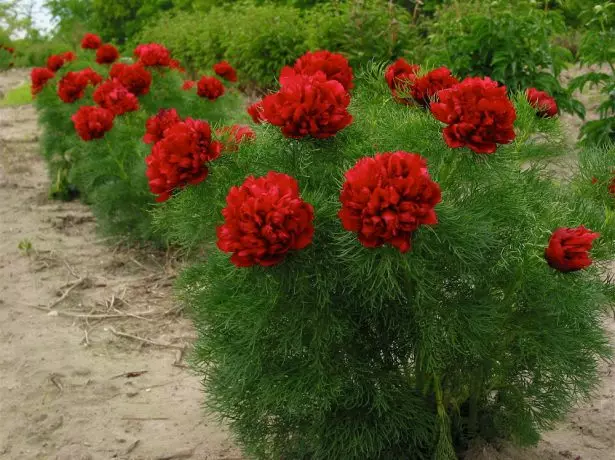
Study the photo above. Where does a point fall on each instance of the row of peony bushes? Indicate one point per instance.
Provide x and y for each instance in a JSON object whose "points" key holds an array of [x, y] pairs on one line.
{"points": [[396, 275], [94, 108]]}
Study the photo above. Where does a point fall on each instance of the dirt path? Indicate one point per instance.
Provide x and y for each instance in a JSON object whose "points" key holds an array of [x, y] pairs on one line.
{"points": [[63, 394], [66, 388]]}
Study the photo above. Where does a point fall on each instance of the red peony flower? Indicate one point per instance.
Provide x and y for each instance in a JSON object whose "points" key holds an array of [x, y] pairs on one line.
{"points": [[39, 77], [156, 125], [188, 84], [9, 49], [91, 42], [308, 105], [114, 96], [232, 136], [333, 65], [264, 219], [181, 157], [92, 122], [107, 54], [175, 64], [568, 249], [210, 88], [153, 54], [544, 104], [68, 56], [478, 113], [135, 77], [611, 186], [399, 76], [424, 89], [225, 70], [385, 199], [117, 69], [55, 62], [72, 86], [256, 112], [93, 78]]}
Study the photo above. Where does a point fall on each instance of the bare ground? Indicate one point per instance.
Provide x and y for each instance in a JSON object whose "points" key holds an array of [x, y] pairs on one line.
{"points": [[73, 386]]}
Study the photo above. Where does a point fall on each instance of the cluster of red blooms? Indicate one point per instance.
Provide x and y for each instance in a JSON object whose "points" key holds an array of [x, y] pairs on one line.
{"points": [[135, 77], [210, 88], [114, 96], [92, 122], [72, 85], [39, 78], [107, 54], [56, 61], [333, 65], [308, 105], [188, 85], [181, 152], [41, 75], [153, 54], [264, 218], [91, 42], [117, 95], [544, 104], [399, 76], [313, 98], [478, 113], [408, 87], [386, 198], [569, 248], [156, 126], [477, 110], [224, 70]]}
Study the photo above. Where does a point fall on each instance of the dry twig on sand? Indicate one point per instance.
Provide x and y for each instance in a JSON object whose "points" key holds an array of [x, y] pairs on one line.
{"points": [[143, 340]]}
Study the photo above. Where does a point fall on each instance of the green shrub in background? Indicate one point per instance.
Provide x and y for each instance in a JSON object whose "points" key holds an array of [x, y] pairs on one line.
{"points": [[509, 41], [6, 58], [259, 39], [575, 11], [364, 31], [348, 352], [262, 39], [598, 50], [34, 53]]}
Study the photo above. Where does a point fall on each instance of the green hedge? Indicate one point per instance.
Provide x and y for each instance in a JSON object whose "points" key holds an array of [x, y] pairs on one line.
{"points": [[511, 41], [259, 39]]}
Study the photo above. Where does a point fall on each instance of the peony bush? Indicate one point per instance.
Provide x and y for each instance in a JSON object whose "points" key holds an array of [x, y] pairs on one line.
{"points": [[390, 276], [94, 108]]}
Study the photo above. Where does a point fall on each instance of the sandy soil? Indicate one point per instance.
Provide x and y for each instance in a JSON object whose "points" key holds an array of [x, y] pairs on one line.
{"points": [[73, 388]]}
